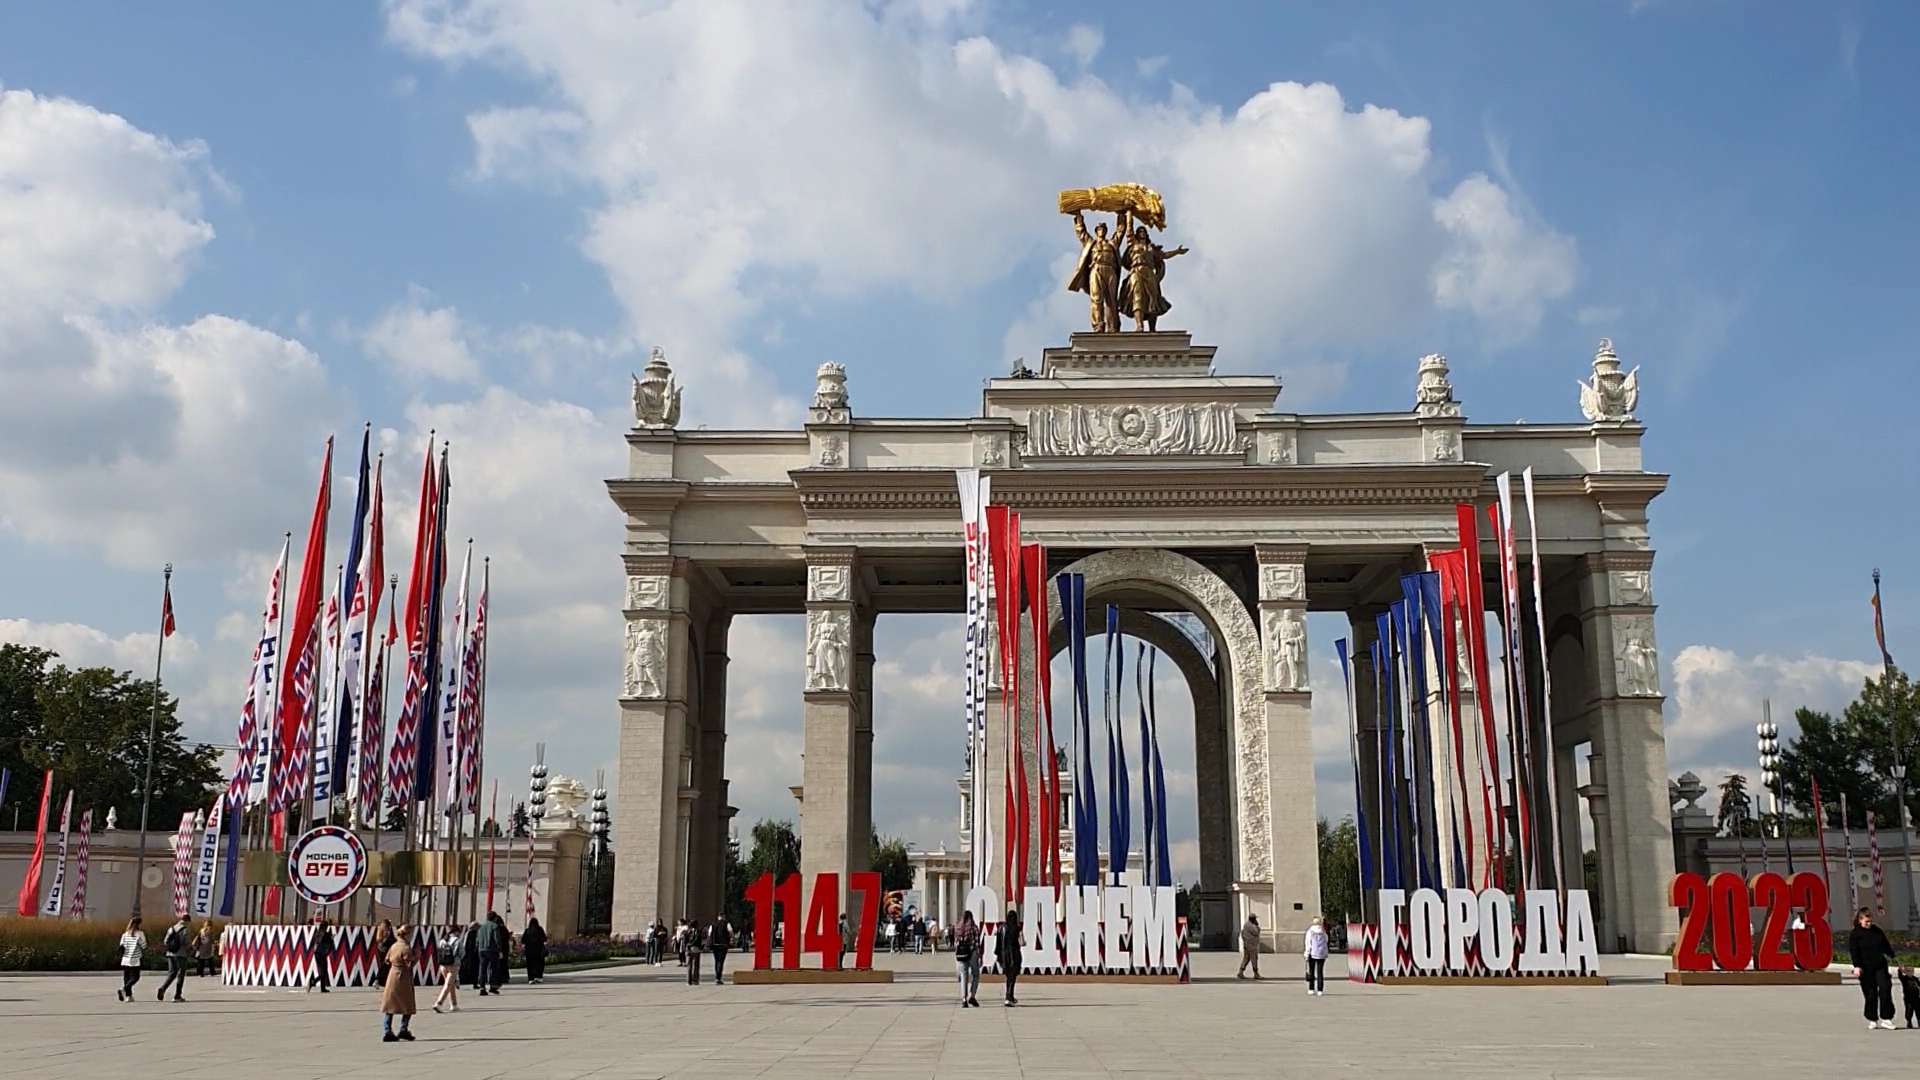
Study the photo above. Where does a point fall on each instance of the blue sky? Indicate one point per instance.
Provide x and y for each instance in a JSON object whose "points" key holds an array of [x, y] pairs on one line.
{"points": [[480, 216]]}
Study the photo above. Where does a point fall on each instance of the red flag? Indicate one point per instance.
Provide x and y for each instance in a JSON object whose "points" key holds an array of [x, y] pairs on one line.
{"points": [[302, 650], [166, 610], [29, 904]]}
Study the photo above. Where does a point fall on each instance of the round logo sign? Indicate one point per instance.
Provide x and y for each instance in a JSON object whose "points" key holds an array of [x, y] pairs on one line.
{"points": [[327, 864]]}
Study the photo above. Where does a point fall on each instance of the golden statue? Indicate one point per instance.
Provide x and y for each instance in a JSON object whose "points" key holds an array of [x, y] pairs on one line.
{"points": [[1098, 271]]}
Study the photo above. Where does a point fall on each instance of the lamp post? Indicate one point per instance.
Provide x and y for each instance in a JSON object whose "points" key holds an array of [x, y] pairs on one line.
{"points": [[1769, 734], [1906, 845]]}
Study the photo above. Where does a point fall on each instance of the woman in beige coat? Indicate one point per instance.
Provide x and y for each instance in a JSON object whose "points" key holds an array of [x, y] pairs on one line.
{"points": [[396, 998]]}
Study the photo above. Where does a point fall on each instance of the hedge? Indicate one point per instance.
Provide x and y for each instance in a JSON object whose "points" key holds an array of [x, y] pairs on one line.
{"points": [[73, 944]]}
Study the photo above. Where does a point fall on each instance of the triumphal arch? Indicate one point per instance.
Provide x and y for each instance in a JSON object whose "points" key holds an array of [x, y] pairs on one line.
{"points": [[1191, 499]]}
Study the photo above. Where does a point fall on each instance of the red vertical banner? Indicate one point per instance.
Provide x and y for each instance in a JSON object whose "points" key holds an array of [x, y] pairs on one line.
{"points": [[1474, 614], [1006, 589], [1049, 824], [29, 903]]}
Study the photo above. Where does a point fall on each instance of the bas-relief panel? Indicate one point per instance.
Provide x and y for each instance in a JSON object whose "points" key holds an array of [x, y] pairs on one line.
{"points": [[1636, 664], [829, 649], [645, 675], [1283, 581], [1285, 641], [1630, 587], [831, 582], [647, 592]]}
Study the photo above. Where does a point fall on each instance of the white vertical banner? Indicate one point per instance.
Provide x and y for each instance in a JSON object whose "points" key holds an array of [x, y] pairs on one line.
{"points": [[452, 754], [1552, 845], [51, 908], [326, 688], [207, 868], [258, 716]]}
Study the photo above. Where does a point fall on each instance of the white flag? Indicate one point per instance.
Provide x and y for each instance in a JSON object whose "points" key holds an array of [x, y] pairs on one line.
{"points": [[51, 909], [207, 870]]}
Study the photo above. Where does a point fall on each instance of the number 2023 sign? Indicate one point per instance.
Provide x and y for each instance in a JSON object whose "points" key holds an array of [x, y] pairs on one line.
{"points": [[1720, 911], [821, 931]]}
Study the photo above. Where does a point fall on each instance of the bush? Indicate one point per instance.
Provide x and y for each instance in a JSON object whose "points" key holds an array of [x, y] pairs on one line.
{"points": [[584, 950], [75, 944]]}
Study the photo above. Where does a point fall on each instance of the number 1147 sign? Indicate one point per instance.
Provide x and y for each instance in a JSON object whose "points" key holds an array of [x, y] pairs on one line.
{"points": [[820, 933]]}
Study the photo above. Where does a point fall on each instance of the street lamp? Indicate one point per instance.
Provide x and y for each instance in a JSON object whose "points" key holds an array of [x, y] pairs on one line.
{"points": [[1906, 844], [1769, 744]]}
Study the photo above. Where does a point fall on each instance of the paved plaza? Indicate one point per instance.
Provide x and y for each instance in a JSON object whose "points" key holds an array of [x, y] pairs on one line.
{"points": [[646, 1022]]}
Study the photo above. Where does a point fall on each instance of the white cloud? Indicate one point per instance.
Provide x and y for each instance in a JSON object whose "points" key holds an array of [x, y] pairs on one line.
{"points": [[1084, 42], [738, 176], [137, 438], [422, 343], [1718, 696]]}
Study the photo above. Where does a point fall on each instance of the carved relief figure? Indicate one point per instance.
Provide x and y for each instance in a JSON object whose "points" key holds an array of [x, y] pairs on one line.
{"points": [[1446, 445], [831, 451], [1146, 264], [1631, 586], [1099, 430], [656, 398], [646, 659], [827, 646], [1638, 671], [1286, 649]]}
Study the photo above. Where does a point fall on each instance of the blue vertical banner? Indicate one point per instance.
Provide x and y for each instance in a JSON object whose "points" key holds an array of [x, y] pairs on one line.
{"points": [[1119, 795], [1086, 808], [1361, 839], [230, 867], [1392, 838], [1157, 787]]}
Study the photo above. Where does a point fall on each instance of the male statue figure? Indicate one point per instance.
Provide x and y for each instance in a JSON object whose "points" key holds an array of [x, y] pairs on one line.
{"points": [[1146, 264], [1098, 273]]}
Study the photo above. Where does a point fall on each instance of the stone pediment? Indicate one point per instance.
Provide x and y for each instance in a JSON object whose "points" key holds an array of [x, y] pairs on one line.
{"points": [[1147, 395]]}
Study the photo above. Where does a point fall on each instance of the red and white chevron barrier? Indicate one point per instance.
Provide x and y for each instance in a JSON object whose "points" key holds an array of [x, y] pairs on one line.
{"points": [[271, 955]]}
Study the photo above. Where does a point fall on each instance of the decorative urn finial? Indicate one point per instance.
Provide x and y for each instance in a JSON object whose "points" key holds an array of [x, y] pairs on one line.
{"points": [[656, 398], [1610, 395], [1434, 394], [830, 395]]}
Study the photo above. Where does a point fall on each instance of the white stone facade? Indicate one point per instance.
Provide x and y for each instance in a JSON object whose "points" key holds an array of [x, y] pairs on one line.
{"points": [[1176, 490]]}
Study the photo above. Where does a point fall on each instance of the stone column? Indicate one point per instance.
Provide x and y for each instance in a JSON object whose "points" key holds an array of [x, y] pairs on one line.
{"points": [[861, 825], [832, 838], [1623, 672], [706, 860], [1295, 886], [1566, 779], [653, 727], [1599, 812]]}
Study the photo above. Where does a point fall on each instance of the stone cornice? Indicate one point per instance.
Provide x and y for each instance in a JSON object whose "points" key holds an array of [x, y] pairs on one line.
{"points": [[1144, 488], [644, 496]]}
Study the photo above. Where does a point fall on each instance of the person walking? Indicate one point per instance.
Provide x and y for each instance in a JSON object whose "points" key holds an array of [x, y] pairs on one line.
{"points": [[1316, 954], [448, 952], [1869, 951], [533, 943], [846, 938], [486, 946], [654, 934], [919, 934], [203, 950], [966, 959], [719, 940], [396, 998], [1249, 947], [1006, 949], [383, 939], [690, 950], [179, 937], [133, 949], [322, 953]]}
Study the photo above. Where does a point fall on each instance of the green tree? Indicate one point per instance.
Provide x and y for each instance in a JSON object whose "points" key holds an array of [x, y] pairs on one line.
{"points": [[736, 880], [889, 857], [1339, 869], [776, 850], [1735, 816], [89, 725], [1855, 754]]}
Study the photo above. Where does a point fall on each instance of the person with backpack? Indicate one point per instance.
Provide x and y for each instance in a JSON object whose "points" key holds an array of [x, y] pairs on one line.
{"points": [[690, 948], [966, 959], [133, 949], [719, 940], [322, 952], [448, 952], [533, 944], [175, 944]]}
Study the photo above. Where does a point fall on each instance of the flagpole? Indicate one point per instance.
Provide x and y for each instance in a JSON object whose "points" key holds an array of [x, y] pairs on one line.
{"points": [[153, 728]]}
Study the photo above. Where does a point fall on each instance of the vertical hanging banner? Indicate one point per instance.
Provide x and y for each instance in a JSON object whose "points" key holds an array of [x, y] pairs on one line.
{"points": [[183, 864], [452, 767], [28, 903], [418, 689], [424, 755], [1120, 786], [207, 867], [1034, 565], [1086, 813], [325, 702], [78, 907], [231, 872], [56, 892], [294, 737], [254, 744]]}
